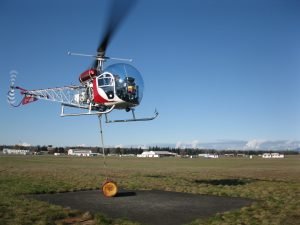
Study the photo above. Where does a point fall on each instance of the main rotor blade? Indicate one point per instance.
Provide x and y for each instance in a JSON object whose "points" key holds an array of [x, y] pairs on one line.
{"points": [[119, 9]]}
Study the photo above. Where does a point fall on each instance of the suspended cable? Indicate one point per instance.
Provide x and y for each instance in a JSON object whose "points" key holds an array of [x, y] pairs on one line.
{"points": [[102, 145]]}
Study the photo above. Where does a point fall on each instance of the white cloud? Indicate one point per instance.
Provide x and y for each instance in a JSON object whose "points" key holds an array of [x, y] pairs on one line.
{"points": [[81, 145], [144, 147], [195, 144], [178, 144], [183, 145], [25, 144], [254, 144], [119, 146]]}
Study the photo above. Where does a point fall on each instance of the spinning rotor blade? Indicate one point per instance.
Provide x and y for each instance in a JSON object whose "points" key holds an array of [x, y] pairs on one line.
{"points": [[11, 94], [117, 13]]}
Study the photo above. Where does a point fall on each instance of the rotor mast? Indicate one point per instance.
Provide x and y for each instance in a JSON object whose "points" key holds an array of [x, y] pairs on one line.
{"points": [[100, 64]]}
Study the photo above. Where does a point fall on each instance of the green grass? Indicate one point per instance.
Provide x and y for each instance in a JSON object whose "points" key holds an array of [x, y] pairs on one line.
{"points": [[274, 183]]}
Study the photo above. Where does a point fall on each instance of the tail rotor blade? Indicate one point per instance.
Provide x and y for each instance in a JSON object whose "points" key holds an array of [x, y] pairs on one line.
{"points": [[11, 94]]}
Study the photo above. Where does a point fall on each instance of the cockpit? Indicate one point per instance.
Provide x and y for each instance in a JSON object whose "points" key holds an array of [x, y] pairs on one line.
{"points": [[124, 81], [105, 80], [107, 84]]}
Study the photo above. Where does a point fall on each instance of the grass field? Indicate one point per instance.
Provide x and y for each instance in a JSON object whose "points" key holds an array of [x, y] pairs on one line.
{"points": [[274, 183]]}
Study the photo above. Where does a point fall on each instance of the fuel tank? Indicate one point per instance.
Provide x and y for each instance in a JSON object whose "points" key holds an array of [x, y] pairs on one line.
{"points": [[87, 75]]}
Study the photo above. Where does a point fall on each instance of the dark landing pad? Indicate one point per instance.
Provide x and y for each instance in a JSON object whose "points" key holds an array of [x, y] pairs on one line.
{"points": [[147, 207]]}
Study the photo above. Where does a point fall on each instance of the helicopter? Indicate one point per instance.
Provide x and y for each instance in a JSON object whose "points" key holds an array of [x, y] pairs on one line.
{"points": [[101, 90], [118, 86]]}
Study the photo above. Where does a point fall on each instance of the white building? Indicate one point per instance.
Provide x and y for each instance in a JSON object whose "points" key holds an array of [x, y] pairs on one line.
{"points": [[205, 155], [15, 151], [266, 155], [272, 156], [156, 154], [80, 152]]}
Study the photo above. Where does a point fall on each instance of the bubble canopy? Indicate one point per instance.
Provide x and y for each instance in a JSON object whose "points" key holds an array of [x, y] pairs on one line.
{"points": [[129, 84]]}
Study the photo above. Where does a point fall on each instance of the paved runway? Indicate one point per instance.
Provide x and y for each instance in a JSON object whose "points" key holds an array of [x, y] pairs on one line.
{"points": [[147, 207]]}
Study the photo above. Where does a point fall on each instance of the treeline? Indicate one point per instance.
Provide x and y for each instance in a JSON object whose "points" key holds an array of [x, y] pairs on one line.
{"points": [[134, 151], [196, 151]]}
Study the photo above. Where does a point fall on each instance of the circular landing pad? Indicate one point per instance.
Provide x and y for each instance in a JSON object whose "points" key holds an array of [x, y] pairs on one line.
{"points": [[147, 207]]}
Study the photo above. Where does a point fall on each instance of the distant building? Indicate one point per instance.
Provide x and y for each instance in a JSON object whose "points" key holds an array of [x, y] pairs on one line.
{"points": [[80, 152], [15, 151], [41, 153], [272, 156], [206, 155], [266, 155], [229, 155], [156, 154]]}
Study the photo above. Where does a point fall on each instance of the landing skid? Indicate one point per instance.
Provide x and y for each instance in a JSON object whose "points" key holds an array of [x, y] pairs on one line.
{"points": [[134, 119], [90, 110]]}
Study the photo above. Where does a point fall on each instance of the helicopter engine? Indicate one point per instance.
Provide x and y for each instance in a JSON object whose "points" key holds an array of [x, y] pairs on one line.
{"points": [[81, 98]]}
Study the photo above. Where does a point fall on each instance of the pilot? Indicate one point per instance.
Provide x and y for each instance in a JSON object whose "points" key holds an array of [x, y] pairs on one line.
{"points": [[120, 90]]}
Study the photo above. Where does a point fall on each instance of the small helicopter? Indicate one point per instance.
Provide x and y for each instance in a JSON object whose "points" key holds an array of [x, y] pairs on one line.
{"points": [[119, 86], [101, 90]]}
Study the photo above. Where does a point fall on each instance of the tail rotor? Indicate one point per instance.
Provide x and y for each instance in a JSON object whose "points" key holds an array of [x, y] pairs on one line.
{"points": [[11, 98]]}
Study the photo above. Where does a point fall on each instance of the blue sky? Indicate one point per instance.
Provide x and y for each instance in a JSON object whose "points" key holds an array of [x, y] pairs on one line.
{"points": [[217, 71]]}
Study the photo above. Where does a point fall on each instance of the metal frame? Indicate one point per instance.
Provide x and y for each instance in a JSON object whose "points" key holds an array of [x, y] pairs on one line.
{"points": [[64, 95]]}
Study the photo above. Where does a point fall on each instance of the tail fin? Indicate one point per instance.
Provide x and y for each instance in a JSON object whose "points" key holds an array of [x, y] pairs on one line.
{"points": [[28, 99]]}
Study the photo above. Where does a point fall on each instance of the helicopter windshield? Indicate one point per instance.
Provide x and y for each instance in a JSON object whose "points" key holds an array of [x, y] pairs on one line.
{"points": [[105, 80], [129, 84]]}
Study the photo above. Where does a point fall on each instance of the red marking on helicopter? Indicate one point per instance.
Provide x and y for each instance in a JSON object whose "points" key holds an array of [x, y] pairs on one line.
{"points": [[97, 97], [28, 99]]}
